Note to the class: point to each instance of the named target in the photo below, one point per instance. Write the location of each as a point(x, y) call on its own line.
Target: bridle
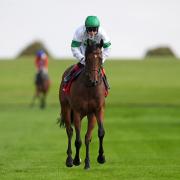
point(93, 73)
point(93, 60)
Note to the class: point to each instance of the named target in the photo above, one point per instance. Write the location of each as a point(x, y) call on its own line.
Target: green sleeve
point(75, 43)
point(105, 45)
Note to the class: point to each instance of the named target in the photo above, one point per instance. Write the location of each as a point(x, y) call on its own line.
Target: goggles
point(90, 29)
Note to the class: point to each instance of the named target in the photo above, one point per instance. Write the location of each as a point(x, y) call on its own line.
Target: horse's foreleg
point(91, 124)
point(101, 133)
point(78, 142)
point(69, 130)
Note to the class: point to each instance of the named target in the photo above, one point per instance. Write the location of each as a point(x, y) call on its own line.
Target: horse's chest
point(86, 99)
point(86, 104)
point(86, 108)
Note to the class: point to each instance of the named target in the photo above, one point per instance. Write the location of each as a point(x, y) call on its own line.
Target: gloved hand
point(82, 61)
point(80, 65)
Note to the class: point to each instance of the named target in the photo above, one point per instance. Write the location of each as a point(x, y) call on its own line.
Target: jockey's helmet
point(40, 53)
point(92, 21)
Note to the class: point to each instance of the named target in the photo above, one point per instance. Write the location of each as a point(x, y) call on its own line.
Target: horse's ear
point(101, 43)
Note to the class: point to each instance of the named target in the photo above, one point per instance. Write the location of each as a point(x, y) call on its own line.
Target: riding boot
point(69, 75)
point(72, 71)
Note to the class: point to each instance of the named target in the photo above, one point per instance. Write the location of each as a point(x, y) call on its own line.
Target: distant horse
point(86, 98)
point(42, 84)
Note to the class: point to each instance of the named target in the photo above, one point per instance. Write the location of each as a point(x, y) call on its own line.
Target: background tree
point(31, 49)
point(163, 51)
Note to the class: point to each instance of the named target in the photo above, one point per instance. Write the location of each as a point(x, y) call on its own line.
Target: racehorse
point(86, 98)
point(42, 85)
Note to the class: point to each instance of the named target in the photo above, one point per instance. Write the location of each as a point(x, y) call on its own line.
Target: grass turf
point(141, 121)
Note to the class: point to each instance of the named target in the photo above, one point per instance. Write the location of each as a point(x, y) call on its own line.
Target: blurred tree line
point(31, 49)
point(163, 51)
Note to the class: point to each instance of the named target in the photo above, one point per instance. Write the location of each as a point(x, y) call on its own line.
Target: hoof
point(87, 164)
point(77, 161)
point(42, 106)
point(69, 162)
point(101, 159)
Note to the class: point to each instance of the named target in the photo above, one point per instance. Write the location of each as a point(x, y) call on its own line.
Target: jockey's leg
point(74, 69)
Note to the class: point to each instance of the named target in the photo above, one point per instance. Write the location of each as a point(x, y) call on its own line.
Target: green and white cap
point(92, 21)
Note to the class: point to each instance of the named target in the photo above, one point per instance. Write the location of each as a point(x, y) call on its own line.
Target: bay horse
point(42, 85)
point(86, 98)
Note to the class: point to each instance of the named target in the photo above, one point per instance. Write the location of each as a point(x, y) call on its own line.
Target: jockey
point(41, 63)
point(90, 30)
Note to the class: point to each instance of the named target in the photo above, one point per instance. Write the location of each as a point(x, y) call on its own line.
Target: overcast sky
point(132, 25)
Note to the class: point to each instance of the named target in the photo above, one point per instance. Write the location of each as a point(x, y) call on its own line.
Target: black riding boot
point(69, 75)
point(72, 71)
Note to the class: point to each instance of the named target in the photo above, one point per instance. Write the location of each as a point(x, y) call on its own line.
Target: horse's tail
point(61, 120)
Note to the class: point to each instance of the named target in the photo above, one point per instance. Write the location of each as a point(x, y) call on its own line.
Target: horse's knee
point(87, 140)
point(101, 132)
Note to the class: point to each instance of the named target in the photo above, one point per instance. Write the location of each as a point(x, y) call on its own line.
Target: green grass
point(142, 123)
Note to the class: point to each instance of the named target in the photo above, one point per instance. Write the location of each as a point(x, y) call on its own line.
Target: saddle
point(71, 75)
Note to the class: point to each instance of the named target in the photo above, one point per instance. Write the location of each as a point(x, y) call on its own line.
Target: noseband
point(93, 59)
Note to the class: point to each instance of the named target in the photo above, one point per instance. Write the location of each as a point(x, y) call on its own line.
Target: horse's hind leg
point(78, 142)
point(69, 131)
point(91, 124)
point(69, 160)
point(101, 133)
